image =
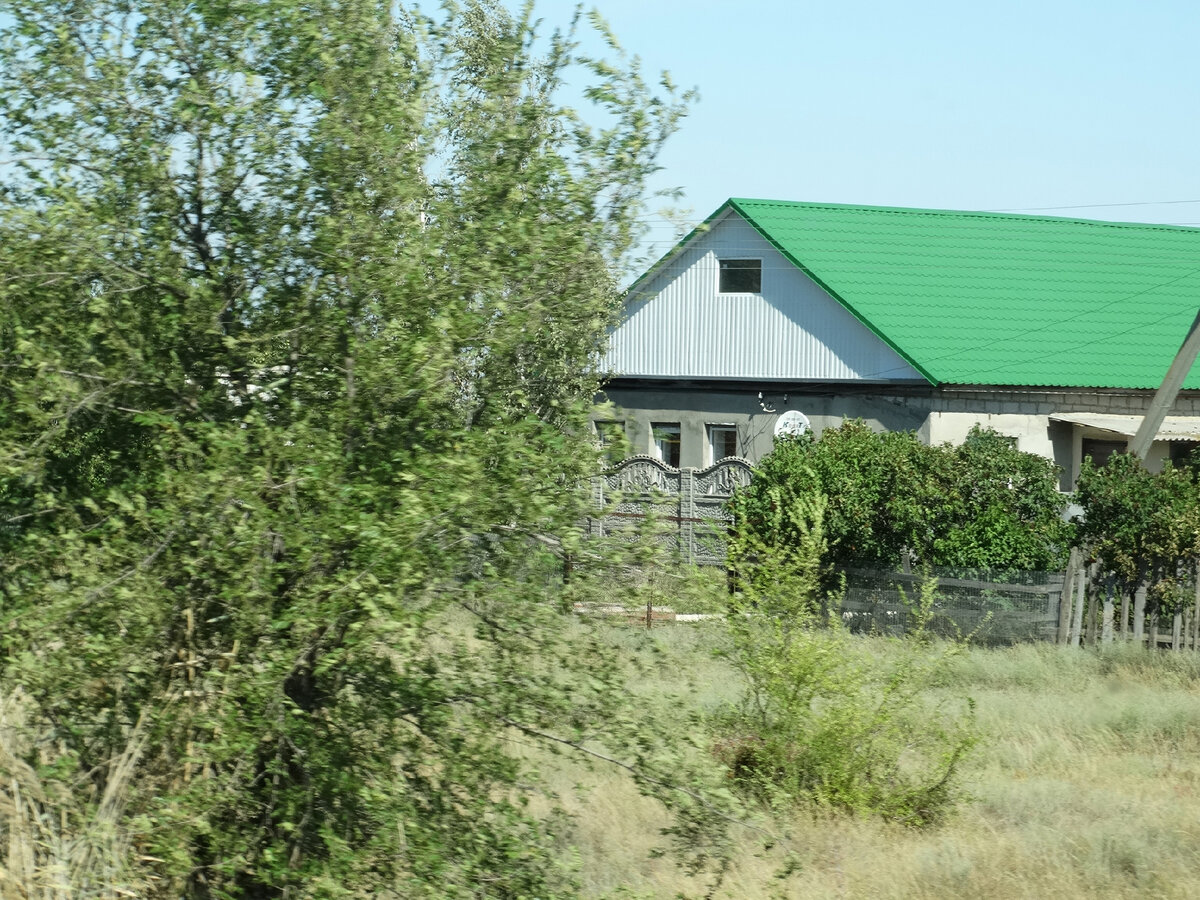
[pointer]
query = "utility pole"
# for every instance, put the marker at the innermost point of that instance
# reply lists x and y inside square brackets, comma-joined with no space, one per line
[1164,397]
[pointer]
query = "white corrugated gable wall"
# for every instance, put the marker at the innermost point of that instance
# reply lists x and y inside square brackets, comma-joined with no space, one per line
[792,331]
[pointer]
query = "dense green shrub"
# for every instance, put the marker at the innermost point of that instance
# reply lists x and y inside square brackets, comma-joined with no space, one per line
[1143,527]
[1003,508]
[983,504]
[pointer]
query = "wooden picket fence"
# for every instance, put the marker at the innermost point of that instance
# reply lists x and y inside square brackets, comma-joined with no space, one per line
[1096,611]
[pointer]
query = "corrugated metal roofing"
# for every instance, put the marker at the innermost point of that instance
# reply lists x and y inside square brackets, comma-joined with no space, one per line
[1173,428]
[994,298]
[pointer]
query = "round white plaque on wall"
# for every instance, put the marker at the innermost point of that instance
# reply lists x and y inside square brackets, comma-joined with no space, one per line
[791,424]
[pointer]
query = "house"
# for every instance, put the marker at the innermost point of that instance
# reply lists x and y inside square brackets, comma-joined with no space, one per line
[777,314]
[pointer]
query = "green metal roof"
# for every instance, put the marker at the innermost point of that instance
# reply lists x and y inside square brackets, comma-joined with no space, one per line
[993,298]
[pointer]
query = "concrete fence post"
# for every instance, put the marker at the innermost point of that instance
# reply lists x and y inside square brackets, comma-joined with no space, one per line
[1139,613]
[1106,629]
[687,514]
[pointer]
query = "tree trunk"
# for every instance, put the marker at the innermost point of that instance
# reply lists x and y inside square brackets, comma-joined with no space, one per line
[1106,630]
[1077,612]
[1139,613]
[1177,632]
[1124,614]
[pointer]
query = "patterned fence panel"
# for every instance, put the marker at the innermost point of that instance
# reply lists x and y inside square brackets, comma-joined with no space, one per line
[691,502]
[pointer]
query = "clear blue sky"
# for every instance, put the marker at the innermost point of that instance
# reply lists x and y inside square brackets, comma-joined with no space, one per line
[1005,105]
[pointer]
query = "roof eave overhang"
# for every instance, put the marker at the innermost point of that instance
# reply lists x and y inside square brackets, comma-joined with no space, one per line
[637,289]
[1173,428]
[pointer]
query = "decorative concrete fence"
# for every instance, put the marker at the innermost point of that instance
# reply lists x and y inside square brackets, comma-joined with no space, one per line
[690,503]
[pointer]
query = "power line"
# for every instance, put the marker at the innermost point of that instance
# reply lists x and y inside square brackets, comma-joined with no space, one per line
[1090,343]
[1092,206]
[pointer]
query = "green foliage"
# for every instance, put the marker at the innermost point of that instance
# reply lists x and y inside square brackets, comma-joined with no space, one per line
[296,332]
[823,722]
[1145,527]
[1005,510]
[778,570]
[876,485]
[982,505]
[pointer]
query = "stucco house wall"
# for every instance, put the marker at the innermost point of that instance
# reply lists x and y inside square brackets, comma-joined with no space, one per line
[936,415]
[696,407]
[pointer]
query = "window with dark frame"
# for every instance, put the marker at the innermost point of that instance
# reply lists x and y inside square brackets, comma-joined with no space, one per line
[611,437]
[740,276]
[722,440]
[1100,451]
[1181,452]
[666,437]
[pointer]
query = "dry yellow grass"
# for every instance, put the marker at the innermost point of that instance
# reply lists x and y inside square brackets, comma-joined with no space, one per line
[1087,784]
[50,849]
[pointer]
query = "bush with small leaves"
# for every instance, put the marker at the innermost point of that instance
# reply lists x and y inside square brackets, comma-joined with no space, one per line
[823,722]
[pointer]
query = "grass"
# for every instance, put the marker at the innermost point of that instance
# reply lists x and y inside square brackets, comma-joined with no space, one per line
[1086,784]
[54,849]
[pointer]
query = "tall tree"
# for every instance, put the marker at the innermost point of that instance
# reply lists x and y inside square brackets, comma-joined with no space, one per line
[297,320]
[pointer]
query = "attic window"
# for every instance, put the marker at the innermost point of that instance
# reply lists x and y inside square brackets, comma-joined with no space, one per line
[740,276]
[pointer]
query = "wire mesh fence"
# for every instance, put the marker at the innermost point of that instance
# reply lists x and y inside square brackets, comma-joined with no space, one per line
[993,608]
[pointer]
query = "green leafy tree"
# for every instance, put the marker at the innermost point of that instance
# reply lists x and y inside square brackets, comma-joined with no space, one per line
[298,310]
[1143,526]
[1003,506]
[880,488]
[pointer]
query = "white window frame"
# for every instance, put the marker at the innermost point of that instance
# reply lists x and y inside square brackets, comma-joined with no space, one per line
[710,449]
[657,444]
